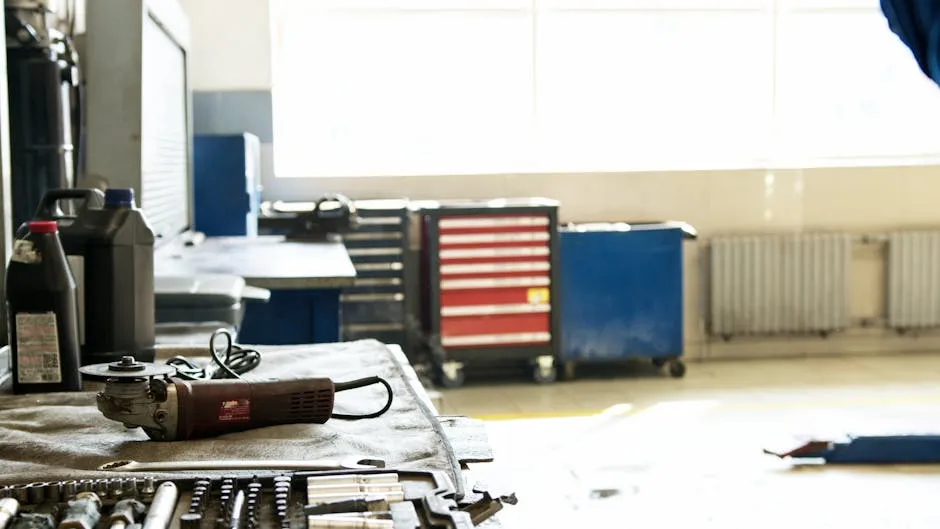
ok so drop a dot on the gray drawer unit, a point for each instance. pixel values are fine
(381, 304)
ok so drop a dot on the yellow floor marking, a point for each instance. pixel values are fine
(562, 414)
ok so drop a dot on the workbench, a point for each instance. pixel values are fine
(304, 278)
(68, 437)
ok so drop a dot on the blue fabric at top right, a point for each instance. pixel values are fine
(917, 23)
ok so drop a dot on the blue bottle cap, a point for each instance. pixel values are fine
(119, 196)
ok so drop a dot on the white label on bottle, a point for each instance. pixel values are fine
(37, 348)
(24, 251)
(77, 265)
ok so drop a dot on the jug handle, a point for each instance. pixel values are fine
(90, 198)
(346, 206)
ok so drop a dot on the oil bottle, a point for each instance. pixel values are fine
(42, 312)
(119, 282)
(110, 248)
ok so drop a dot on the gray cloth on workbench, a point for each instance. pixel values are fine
(63, 435)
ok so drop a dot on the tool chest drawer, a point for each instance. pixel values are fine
(373, 307)
(378, 304)
(489, 280)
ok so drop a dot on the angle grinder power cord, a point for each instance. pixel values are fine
(179, 400)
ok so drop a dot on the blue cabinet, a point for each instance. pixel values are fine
(226, 184)
(621, 293)
(293, 317)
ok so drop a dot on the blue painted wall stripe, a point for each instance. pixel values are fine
(234, 112)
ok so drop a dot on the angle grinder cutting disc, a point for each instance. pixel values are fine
(127, 367)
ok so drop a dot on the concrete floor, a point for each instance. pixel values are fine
(609, 449)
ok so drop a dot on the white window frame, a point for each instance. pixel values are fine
(779, 151)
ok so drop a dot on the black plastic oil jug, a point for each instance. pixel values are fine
(110, 247)
(42, 313)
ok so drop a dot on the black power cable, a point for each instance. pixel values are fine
(236, 360)
(361, 383)
(232, 362)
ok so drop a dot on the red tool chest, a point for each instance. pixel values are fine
(489, 272)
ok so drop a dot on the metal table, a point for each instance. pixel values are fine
(305, 279)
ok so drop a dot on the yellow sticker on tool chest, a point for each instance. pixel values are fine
(537, 295)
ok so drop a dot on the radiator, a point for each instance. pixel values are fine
(779, 284)
(913, 280)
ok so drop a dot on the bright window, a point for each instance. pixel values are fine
(414, 87)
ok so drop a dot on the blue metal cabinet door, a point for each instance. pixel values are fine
(621, 294)
(293, 317)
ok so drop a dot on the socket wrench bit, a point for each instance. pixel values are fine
(36, 493)
(6, 492)
(86, 485)
(21, 494)
(130, 488)
(101, 488)
(69, 489)
(115, 488)
(148, 487)
(54, 492)
(83, 512)
(126, 512)
(190, 521)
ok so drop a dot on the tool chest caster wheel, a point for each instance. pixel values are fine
(676, 369)
(451, 375)
(543, 372)
(659, 362)
(570, 368)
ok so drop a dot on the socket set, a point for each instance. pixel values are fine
(377, 499)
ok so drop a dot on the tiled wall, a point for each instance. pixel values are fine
(230, 71)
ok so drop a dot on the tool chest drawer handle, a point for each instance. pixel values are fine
(509, 282)
(492, 310)
(496, 339)
(484, 268)
(362, 252)
(483, 238)
(485, 253)
(371, 296)
(492, 222)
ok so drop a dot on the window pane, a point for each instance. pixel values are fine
(634, 90)
(655, 5)
(847, 87)
(385, 93)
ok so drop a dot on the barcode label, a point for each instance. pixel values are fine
(37, 349)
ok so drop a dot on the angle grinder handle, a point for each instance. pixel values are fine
(218, 406)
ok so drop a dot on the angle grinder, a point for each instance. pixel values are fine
(170, 408)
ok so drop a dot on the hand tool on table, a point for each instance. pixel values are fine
(125, 513)
(83, 512)
(33, 520)
(871, 449)
(347, 522)
(36, 493)
(234, 512)
(8, 509)
(354, 463)
(373, 503)
(161, 508)
(171, 408)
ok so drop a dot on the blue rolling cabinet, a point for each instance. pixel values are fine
(621, 293)
(226, 184)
